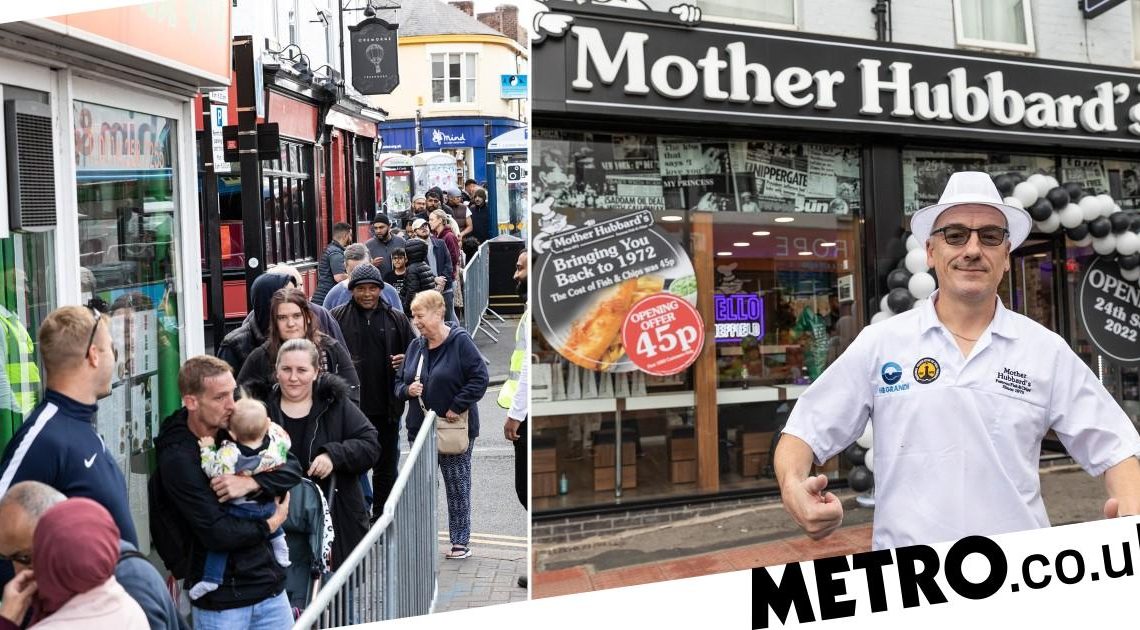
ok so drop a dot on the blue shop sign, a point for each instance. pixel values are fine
(512, 86)
(397, 139)
(453, 137)
(738, 315)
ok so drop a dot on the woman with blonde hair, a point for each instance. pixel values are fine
(444, 372)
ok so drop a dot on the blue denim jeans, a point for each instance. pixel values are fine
(269, 614)
(214, 570)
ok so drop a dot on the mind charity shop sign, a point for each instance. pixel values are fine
(1110, 311)
(616, 293)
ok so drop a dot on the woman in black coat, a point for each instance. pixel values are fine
(331, 437)
(291, 318)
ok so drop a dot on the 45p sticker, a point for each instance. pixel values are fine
(663, 334)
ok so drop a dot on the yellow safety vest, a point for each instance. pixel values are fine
(20, 364)
(507, 393)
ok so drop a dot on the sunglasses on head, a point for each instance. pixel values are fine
(958, 235)
(98, 307)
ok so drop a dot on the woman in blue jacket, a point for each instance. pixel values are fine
(452, 379)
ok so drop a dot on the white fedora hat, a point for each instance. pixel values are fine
(972, 187)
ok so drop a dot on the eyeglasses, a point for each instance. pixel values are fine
(24, 558)
(959, 235)
(98, 307)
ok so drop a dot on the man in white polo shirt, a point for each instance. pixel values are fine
(960, 392)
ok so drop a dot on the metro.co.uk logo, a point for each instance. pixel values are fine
(1009, 568)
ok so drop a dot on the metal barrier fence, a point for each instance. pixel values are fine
(394, 571)
(477, 295)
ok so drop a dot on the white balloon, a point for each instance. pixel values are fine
(916, 261)
(880, 316)
(1132, 275)
(1127, 243)
(1091, 208)
(1071, 215)
(921, 285)
(911, 243)
(1049, 225)
(1115, 209)
(1053, 183)
(869, 456)
(868, 437)
(1026, 193)
(1106, 203)
(1040, 183)
(1014, 201)
(1084, 242)
(883, 305)
(1105, 246)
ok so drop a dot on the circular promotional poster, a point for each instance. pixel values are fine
(592, 269)
(1109, 307)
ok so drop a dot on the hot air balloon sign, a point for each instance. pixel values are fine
(375, 56)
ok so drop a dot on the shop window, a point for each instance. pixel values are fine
(128, 234)
(27, 295)
(453, 77)
(1003, 24)
(770, 13)
(364, 179)
(925, 172)
(1136, 32)
(772, 232)
(288, 207)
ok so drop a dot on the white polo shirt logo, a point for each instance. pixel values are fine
(1014, 381)
(926, 371)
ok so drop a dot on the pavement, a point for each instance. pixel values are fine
(500, 526)
(756, 536)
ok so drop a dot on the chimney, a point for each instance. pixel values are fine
(491, 20)
(466, 6)
(509, 21)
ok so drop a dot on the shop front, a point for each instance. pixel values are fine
(465, 139)
(767, 179)
(99, 198)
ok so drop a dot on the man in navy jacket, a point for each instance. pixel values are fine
(58, 444)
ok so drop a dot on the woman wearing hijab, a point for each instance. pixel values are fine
(445, 371)
(75, 549)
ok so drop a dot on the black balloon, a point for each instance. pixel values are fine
(855, 454)
(898, 279)
(1135, 223)
(1041, 210)
(1074, 190)
(1077, 233)
(900, 300)
(902, 264)
(860, 479)
(1131, 261)
(1004, 185)
(1120, 222)
(1100, 227)
(1015, 177)
(1058, 198)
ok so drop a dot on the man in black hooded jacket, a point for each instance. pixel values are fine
(377, 337)
(254, 583)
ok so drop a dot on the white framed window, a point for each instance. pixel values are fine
(1136, 32)
(453, 77)
(999, 24)
(770, 13)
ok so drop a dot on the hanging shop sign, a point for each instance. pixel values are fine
(596, 274)
(375, 56)
(1093, 8)
(606, 65)
(1110, 310)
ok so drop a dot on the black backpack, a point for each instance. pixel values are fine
(170, 534)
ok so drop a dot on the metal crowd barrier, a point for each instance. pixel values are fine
(477, 295)
(394, 571)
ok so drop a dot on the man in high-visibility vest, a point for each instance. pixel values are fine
(20, 379)
(515, 392)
